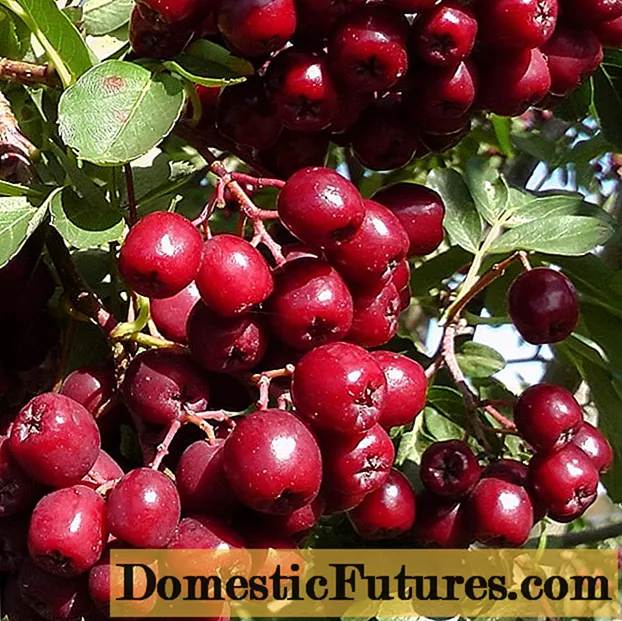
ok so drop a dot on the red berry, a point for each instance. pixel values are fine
(609, 33)
(591, 11)
(225, 344)
(411, 6)
(68, 531)
(449, 469)
(350, 107)
(317, 18)
(320, 207)
(420, 211)
(374, 251)
(406, 388)
(388, 512)
(233, 276)
(543, 306)
(339, 387)
(104, 469)
(565, 482)
(509, 470)
(171, 11)
(401, 275)
(170, 315)
(91, 387)
(161, 386)
(500, 513)
(153, 39)
(273, 462)
(256, 27)
(547, 416)
(18, 492)
(594, 444)
(160, 255)
(144, 509)
(368, 49)
(13, 542)
(296, 524)
(441, 522)
(296, 150)
(310, 306)
(55, 440)
(357, 465)
(335, 502)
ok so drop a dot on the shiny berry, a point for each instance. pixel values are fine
(594, 444)
(441, 522)
(105, 468)
(591, 11)
(91, 387)
(170, 315)
(157, 40)
(609, 33)
(172, 11)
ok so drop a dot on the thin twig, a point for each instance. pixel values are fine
(131, 196)
(163, 447)
(29, 74)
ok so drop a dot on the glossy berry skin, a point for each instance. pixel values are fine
(273, 462)
(296, 150)
(18, 492)
(296, 524)
(509, 470)
(170, 315)
(516, 24)
(144, 509)
(357, 465)
(444, 35)
(172, 11)
(256, 27)
(376, 249)
(161, 386)
(449, 469)
(55, 440)
(368, 51)
(91, 387)
(201, 481)
(339, 387)
(420, 211)
(320, 207)
(543, 306)
(311, 304)
(595, 445)
(376, 316)
(105, 468)
(68, 531)
(225, 344)
(500, 513)
(609, 33)
(565, 482)
(388, 512)
(406, 388)
(440, 522)
(13, 542)
(510, 84)
(302, 90)
(233, 276)
(591, 11)
(245, 115)
(317, 18)
(160, 255)
(547, 416)
(572, 54)
(156, 40)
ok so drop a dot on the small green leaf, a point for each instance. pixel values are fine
(608, 97)
(118, 110)
(479, 361)
(432, 272)
(449, 403)
(15, 189)
(563, 235)
(488, 189)
(209, 64)
(503, 131)
(14, 36)
(577, 105)
(104, 16)
(18, 221)
(439, 427)
(462, 221)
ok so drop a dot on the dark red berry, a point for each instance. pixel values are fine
(55, 440)
(296, 150)
(144, 509)
(156, 40)
(500, 513)
(387, 512)
(543, 306)
(233, 276)
(296, 524)
(358, 464)
(273, 462)
(443, 141)
(339, 387)
(565, 482)
(170, 315)
(13, 606)
(336, 502)
(400, 276)
(441, 522)
(591, 11)
(449, 468)
(368, 51)
(91, 387)
(13, 542)
(256, 27)
(311, 304)
(317, 18)
(509, 470)
(595, 445)
(411, 6)
(18, 492)
(350, 108)
(320, 207)
(160, 255)
(174, 11)
(609, 33)
(105, 468)
(68, 531)
(208, 97)
(547, 416)
(225, 344)
(406, 388)
(420, 211)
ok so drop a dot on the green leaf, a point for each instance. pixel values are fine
(18, 221)
(14, 36)
(209, 64)
(477, 360)
(15, 189)
(449, 403)
(577, 105)
(118, 111)
(563, 235)
(503, 130)
(432, 272)
(608, 97)
(439, 427)
(462, 221)
(80, 224)
(59, 38)
(488, 189)
(104, 16)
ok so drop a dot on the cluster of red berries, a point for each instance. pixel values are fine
(393, 79)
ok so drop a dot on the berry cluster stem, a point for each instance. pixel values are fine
(30, 74)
